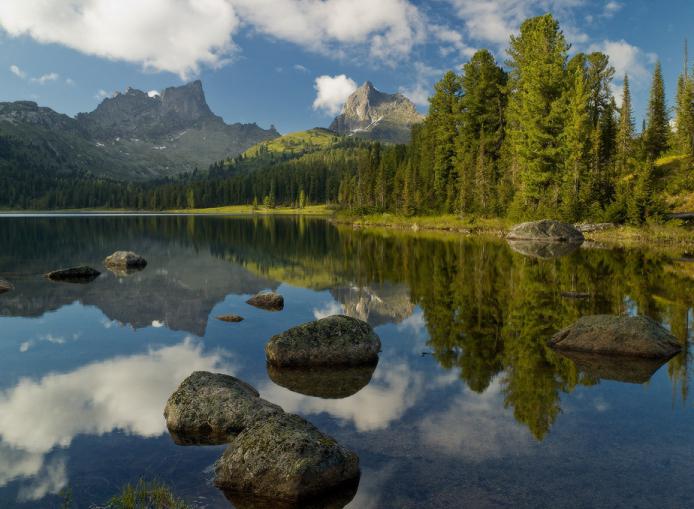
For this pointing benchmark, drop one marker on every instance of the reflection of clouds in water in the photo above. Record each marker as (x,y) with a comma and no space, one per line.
(51,479)
(48,338)
(157,324)
(370,483)
(476,427)
(392,391)
(125,393)
(329,309)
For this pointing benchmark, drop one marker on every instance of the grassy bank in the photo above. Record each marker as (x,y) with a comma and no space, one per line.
(310,210)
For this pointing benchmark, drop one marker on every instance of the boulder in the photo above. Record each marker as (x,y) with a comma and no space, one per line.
(321,381)
(546,230)
(336,498)
(209,408)
(270,301)
(594,227)
(230,318)
(5,286)
(333,341)
(631,336)
(285,457)
(543,250)
(125,260)
(81,274)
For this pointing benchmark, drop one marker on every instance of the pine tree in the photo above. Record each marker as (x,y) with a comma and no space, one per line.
(657,122)
(625,131)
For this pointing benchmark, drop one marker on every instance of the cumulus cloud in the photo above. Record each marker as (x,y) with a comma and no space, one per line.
(45,78)
(611,8)
(451,41)
(180,36)
(626,58)
(422,87)
(329,309)
(332,92)
(14,69)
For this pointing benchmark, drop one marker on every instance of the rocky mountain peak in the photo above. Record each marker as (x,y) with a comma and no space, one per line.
(377,115)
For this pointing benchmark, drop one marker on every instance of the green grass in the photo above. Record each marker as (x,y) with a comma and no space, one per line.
(146,495)
(309,210)
(299,142)
(671,233)
(450,222)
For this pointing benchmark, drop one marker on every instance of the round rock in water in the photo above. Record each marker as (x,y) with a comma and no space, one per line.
(230,318)
(5,286)
(631,336)
(285,457)
(210,408)
(333,341)
(546,230)
(125,260)
(81,274)
(270,301)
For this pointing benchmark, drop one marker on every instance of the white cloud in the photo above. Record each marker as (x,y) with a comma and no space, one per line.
(611,8)
(155,93)
(14,69)
(45,78)
(180,36)
(329,309)
(332,92)
(300,68)
(422,87)
(452,41)
(101,95)
(626,58)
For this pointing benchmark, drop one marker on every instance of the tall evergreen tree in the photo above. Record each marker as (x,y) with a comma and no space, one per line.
(657,121)
(625,131)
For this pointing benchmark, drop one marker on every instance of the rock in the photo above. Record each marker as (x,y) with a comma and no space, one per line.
(546,230)
(336,498)
(332,341)
(125,260)
(230,318)
(285,457)
(594,227)
(633,370)
(631,336)
(209,408)
(323,382)
(543,250)
(82,274)
(5,286)
(270,301)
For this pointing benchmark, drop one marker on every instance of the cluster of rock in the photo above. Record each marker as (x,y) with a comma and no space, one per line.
(272,454)
(545,239)
(120,263)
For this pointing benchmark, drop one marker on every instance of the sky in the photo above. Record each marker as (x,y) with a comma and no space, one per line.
(292,63)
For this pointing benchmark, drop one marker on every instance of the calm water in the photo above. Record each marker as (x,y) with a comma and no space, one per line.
(466,408)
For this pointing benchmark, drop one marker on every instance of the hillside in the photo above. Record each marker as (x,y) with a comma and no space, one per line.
(676,182)
(295,143)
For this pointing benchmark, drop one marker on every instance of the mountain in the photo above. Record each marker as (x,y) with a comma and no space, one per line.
(375,115)
(130,136)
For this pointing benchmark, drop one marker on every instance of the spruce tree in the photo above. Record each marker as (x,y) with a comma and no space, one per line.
(625,131)
(657,122)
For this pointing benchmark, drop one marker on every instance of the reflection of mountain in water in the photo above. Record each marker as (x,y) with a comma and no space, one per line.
(377,304)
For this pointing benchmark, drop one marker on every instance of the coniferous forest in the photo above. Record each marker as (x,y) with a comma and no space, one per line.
(540,136)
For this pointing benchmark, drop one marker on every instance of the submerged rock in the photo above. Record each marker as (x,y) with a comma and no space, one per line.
(543,250)
(285,457)
(125,262)
(632,336)
(332,341)
(633,370)
(5,286)
(81,274)
(210,408)
(323,382)
(546,230)
(230,318)
(270,301)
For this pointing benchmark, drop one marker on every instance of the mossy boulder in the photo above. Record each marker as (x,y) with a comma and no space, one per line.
(125,260)
(269,301)
(630,336)
(546,230)
(323,381)
(333,341)
(230,318)
(81,274)
(210,408)
(5,286)
(287,458)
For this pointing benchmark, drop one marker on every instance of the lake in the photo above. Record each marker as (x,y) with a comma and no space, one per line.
(467,407)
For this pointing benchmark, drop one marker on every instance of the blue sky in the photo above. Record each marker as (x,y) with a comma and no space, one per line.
(261,60)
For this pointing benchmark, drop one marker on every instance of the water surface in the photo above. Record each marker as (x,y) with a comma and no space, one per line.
(466,408)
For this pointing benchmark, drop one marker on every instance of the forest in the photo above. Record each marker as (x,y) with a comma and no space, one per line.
(542,136)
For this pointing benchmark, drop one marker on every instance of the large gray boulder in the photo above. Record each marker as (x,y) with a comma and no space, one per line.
(81,274)
(269,301)
(333,341)
(285,457)
(125,260)
(546,230)
(5,286)
(328,382)
(631,336)
(210,408)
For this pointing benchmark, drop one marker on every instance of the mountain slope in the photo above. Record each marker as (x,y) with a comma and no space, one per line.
(131,136)
(296,143)
(375,115)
